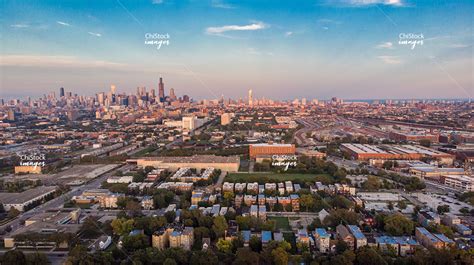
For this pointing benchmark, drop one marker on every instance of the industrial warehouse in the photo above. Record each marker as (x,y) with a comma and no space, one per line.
(394,152)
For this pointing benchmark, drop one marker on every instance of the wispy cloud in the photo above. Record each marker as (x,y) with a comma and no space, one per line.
(326,21)
(389,59)
(157,2)
(288,33)
(459,45)
(361,3)
(20,26)
(385,45)
(95,34)
(63,23)
(223,29)
(221,4)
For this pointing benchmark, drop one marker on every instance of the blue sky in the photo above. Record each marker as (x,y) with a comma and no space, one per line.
(280,49)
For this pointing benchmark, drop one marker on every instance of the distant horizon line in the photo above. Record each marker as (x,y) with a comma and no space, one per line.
(11,97)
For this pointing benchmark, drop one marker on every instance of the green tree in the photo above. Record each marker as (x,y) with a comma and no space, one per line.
(397,225)
(346,258)
(443,209)
(446,230)
(390,206)
(122,226)
(219,226)
(133,243)
(368,256)
(255,244)
(13,212)
(341,202)
(341,246)
(372,184)
(203,258)
(228,197)
(133,208)
(37,258)
(307,201)
(245,256)
(464,210)
(280,256)
(14,257)
(243,222)
(402,205)
(90,228)
(76,255)
(341,216)
(224,245)
(170,261)
(170,216)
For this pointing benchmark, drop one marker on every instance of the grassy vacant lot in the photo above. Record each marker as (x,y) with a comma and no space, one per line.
(276,177)
(281,223)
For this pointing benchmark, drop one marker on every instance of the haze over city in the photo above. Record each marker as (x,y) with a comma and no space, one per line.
(350,49)
(227,132)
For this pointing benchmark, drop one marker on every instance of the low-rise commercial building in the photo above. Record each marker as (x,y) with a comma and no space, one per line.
(458,182)
(394,152)
(22,200)
(435,173)
(224,163)
(271,149)
(45,231)
(120,179)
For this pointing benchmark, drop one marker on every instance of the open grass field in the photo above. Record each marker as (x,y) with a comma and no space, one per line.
(276,177)
(281,223)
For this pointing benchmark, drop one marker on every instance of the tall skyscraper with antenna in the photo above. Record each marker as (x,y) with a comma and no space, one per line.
(161,90)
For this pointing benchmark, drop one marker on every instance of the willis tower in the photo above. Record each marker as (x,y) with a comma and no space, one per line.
(161,90)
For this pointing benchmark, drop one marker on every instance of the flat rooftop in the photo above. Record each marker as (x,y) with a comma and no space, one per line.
(393,149)
(270,145)
(193,159)
(379,196)
(47,223)
(22,197)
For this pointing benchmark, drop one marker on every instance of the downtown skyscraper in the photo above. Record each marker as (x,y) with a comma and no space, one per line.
(161,90)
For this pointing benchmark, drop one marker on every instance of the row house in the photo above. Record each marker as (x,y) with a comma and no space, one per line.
(322,240)
(281,188)
(295,202)
(240,187)
(270,186)
(250,199)
(428,239)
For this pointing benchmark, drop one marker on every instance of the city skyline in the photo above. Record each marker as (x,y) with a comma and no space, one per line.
(164,96)
(318,49)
